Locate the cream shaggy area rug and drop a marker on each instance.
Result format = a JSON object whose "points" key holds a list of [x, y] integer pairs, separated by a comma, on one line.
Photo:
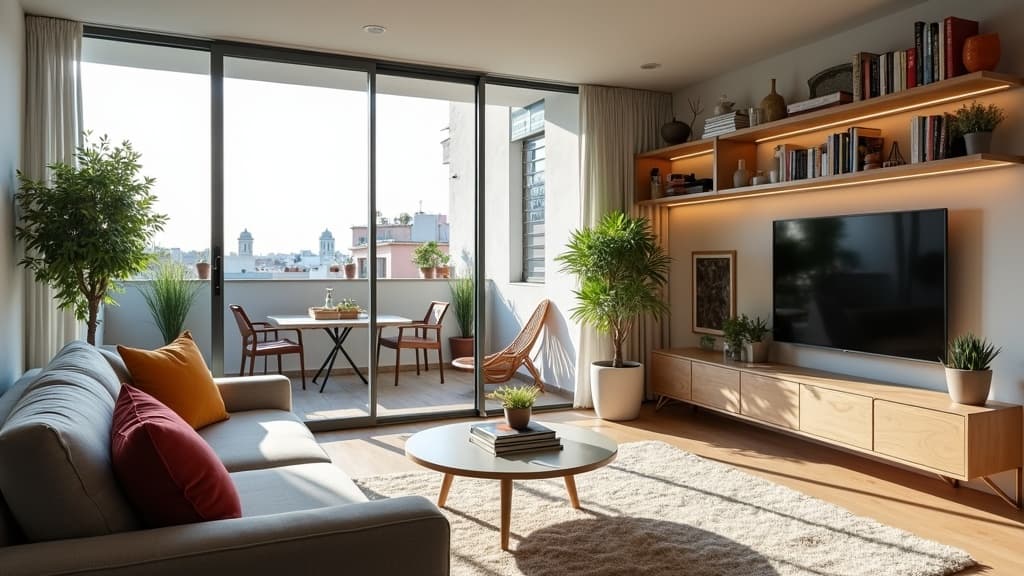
{"points": [[659, 510]]}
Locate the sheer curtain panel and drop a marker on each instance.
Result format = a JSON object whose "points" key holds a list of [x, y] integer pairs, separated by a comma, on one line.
{"points": [[615, 125], [53, 128]]}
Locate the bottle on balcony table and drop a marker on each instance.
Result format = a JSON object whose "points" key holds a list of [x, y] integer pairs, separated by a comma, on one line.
{"points": [[329, 298]]}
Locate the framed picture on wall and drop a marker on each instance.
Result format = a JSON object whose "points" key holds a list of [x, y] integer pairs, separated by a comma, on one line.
{"points": [[713, 290]]}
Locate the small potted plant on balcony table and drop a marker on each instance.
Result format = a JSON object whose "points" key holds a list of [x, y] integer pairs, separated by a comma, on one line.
{"points": [[427, 256], [621, 270], [976, 122], [518, 404], [968, 371]]}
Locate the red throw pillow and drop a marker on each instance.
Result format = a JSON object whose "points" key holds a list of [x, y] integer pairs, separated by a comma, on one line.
{"points": [[169, 473]]}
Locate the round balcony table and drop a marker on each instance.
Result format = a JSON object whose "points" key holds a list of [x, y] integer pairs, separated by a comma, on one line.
{"points": [[447, 449]]}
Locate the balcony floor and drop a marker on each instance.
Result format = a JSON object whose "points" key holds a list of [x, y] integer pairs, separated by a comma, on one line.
{"points": [[345, 395]]}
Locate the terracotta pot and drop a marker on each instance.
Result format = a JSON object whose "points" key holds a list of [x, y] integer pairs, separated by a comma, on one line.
{"points": [[350, 270], [982, 52], [518, 418], [461, 347], [203, 270], [335, 268], [441, 272], [427, 272], [968, 386]]}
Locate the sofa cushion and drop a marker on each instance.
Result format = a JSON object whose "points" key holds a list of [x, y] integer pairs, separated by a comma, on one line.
{"points": [[290, 488], [177, 376], [55, 471], [262, 439], [170, 475]]}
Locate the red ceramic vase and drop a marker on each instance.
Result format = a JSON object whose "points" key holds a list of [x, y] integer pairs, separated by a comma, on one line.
{"points": [[981, 52]]}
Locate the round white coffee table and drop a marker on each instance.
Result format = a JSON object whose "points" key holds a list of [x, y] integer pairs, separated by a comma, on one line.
{"points": [[448, 450]]}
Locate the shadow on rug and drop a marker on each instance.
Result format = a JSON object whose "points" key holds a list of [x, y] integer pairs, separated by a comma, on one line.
{"points": [[659, 510]]}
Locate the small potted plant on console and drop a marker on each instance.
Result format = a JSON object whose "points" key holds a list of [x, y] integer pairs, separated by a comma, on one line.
{"points": [[734, 332], [517, 402], [755, 331], [968, 372]]}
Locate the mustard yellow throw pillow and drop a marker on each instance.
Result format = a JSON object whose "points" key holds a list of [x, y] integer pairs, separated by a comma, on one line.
{"points": [[177, 376]]}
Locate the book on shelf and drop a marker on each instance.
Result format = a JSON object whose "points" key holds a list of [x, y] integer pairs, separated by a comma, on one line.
{"points": [[826, 101], [958, 30], [929, 138], [919, 50], [863, 141], [516, 448], [499, 432], [862, 75]]}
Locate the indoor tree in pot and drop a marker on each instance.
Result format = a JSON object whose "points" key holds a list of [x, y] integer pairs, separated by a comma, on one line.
{"points": [[976, 122], [169, 296], [463, 292], [89, 227], [968, 372], [620, 269]]}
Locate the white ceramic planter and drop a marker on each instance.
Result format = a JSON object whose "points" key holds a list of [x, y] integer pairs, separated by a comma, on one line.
{"points": [[618, 392], [756, 352], [968, 386]]}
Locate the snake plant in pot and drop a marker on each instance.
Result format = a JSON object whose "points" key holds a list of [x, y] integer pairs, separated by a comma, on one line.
{"points": [[620, 269], [968, 372]]}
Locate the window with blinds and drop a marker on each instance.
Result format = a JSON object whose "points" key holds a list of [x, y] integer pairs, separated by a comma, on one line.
{"points": [[533, 209]]}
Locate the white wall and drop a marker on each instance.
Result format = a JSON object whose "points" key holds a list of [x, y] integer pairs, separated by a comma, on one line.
{"points": [[12, 70], [986, 208]]}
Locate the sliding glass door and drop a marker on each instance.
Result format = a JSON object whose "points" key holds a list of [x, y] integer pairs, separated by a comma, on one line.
{"points": [[296, 202]]}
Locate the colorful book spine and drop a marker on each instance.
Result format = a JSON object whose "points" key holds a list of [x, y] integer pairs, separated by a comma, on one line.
{"points": [[958, 30], [919, 51], [912, 68]]}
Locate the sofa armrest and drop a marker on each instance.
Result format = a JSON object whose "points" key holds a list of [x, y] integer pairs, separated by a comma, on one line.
{"points": [[406, 535], [268, 391]]}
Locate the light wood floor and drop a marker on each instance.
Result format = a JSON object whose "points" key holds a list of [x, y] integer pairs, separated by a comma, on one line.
{"points": [[345, 395], [991, 531]]}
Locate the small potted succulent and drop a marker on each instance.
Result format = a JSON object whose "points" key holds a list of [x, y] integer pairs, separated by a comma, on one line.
{"points": [[755, 345], [976, 122], [518, 404], [968, 371]]}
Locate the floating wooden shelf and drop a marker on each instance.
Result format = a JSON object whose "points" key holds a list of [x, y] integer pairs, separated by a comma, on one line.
{"points": [[682, 151], [895, 173]]}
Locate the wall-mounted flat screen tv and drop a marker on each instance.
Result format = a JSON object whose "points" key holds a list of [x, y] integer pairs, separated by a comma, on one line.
{"points": [[873, 283]]}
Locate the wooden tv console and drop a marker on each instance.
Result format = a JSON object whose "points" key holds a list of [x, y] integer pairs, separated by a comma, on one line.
{"points": [[918, 428]]}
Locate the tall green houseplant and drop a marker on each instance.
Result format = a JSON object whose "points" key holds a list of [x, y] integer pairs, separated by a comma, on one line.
{"points": [[169, 296], [89, 227], [621, 270], [462, 290]]}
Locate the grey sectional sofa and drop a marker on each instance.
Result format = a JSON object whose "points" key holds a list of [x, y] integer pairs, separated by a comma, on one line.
{"points": [[300, 513]]}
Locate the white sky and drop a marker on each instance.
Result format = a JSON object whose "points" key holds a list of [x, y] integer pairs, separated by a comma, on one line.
{"points": [[295, 157]]}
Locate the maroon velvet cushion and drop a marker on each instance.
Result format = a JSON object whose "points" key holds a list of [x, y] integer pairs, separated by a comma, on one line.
{"points": [[169, 473]]}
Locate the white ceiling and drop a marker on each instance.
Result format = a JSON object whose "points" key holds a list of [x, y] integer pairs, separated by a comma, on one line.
{"points": [[574, 41]]}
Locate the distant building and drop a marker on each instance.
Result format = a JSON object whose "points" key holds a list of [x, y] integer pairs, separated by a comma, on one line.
{"points": [[395, 245], [326, 248], [244, 263]]}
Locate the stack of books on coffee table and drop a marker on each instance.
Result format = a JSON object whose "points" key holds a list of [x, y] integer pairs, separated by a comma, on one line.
{"points": [[500, 439]]}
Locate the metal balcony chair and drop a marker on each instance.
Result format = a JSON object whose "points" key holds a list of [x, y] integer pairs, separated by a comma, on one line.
{"points": [[417, 337], [262, 339], [502, 365]]}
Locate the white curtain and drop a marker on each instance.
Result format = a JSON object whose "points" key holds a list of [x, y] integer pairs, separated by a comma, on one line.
{"points": [[53, 128], [615, 125]]}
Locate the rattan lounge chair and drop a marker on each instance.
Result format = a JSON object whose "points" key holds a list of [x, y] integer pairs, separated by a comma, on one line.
{"points": [[501, 366]]}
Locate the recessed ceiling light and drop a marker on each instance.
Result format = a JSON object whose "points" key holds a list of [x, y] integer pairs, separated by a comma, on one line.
{"points": [[650, 66], [374, 29]]}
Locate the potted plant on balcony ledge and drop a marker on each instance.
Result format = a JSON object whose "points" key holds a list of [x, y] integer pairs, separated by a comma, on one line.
{"points": [[621, 270], [169, 296], [427, 256]]}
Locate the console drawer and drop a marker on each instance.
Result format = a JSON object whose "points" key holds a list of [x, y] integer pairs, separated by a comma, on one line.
{"points": [[922, 436], [716, 387], [835, 415], [670, 376], [770, 400]]}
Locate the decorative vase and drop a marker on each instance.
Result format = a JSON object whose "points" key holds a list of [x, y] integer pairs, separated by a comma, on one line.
{"points": [[428, 272], [732, 353], [518, 418], [773, 106], [203, 270], [675, 132], [968, 386], [978, 142], [350, 270], [981, 52], [741, 177]]}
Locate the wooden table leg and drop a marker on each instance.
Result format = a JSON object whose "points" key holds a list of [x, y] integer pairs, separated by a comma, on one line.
{"points": [[446, 483], [570, 486], [506, 511]]}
